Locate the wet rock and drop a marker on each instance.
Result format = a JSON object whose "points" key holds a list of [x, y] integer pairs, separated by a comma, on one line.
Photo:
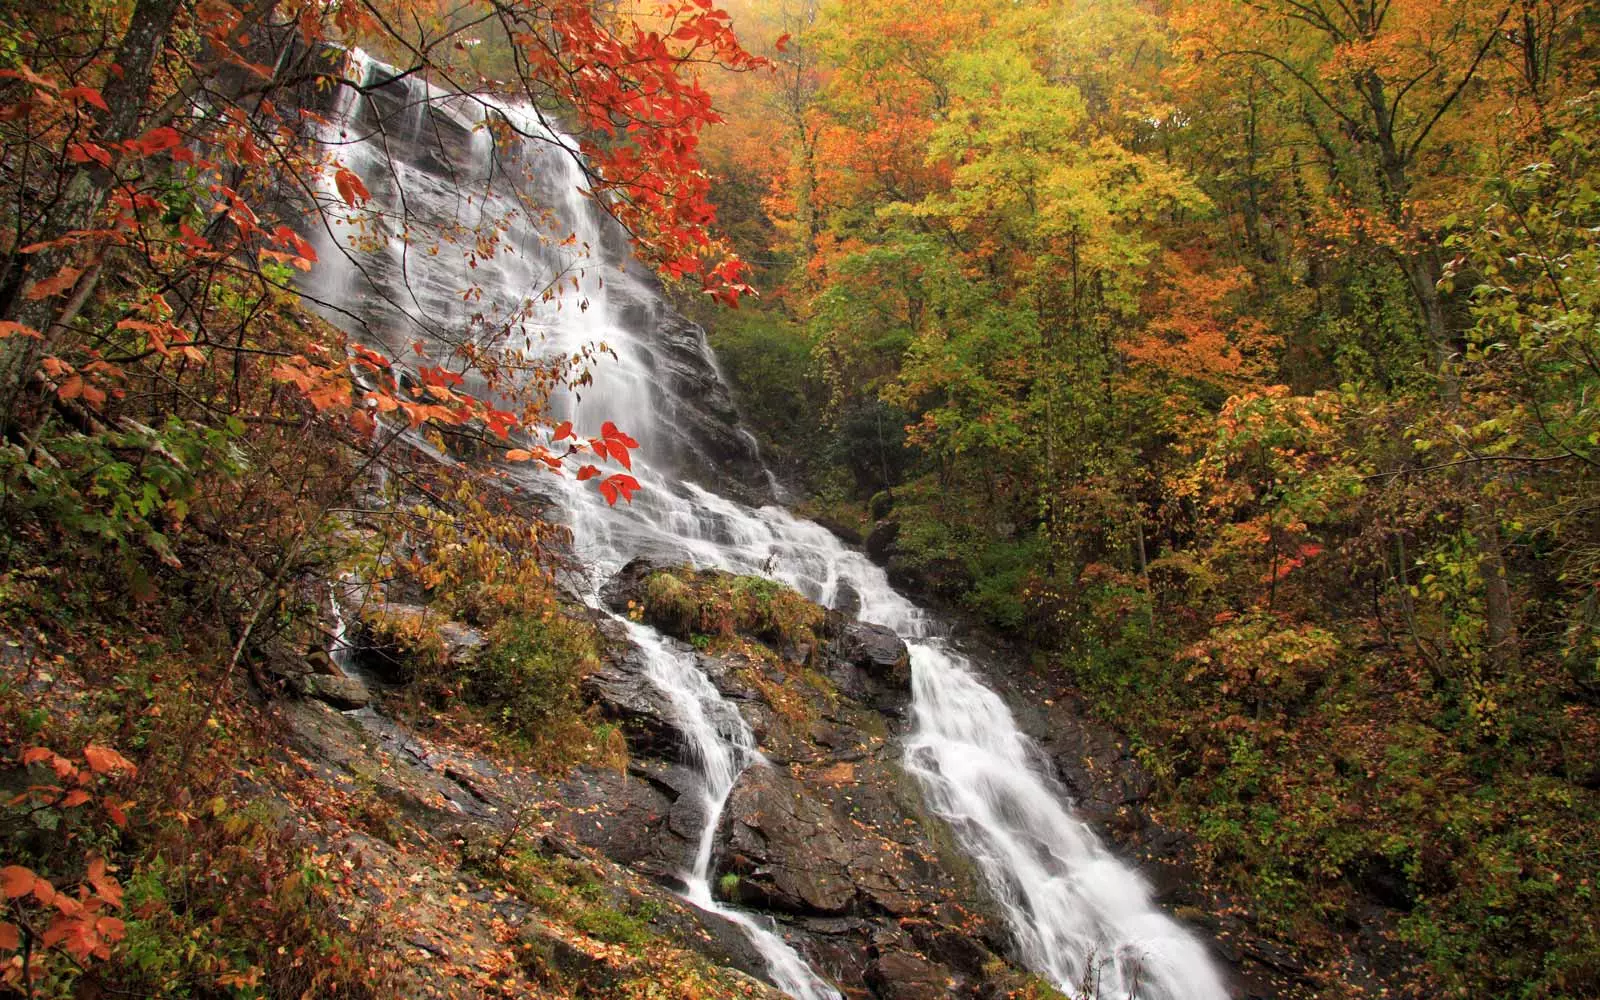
{"points": [[622, 690], [880, 540], [832, 842], [707, 444], [788, 850], [624, 818], [845, 531], [878, 651], [1106, 781], [848, 601], [627, 585], [906, 975], [869, 664], [343, 693]]}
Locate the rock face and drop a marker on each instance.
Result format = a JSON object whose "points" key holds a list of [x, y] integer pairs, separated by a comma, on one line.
{"points": [[437, 138], [827, 836], [707, 444]]}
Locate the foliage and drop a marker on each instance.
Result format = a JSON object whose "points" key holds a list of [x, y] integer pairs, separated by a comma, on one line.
{"points": [[1246, 355]]}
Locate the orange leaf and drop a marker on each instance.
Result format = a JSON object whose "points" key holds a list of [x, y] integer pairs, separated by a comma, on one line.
{"points": [[15, 881], [9, 328], [103, 760], [10, 940], [46, 287]]}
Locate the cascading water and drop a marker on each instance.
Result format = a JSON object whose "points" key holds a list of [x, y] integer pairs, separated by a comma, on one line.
{"points": [[722, 746], [1080, 917]]}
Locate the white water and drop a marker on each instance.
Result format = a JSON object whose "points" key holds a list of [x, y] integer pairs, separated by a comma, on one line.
{"points": [[1079, 916], [722, 746]]}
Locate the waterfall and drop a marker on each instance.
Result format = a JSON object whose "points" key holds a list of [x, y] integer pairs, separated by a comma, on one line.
{"points": [[1079, 916]]}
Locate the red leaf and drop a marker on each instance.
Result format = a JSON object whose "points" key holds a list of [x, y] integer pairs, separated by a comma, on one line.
{"points": [[350, 187], [587, 472], [83, 152], [155, 141], [563, 430], [87, 95], [609, 431], [618, 485]]}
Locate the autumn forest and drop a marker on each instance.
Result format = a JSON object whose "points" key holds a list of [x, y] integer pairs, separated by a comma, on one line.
{"points": [[1227, 370]]}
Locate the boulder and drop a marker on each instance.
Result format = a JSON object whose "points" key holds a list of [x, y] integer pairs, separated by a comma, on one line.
{"points": [[628, 583], [878, 651], [787, 849], [832, 841], [907, 975], [343, 693], [869, 664]]}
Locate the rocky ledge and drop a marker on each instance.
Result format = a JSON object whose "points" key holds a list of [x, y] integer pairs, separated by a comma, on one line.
{"points": [[826, 837]]}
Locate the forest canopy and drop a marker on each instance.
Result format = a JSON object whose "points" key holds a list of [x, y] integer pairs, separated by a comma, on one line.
{"points": [[1241, 360]]}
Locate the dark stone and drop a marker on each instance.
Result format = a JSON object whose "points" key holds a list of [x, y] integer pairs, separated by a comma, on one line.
{"points": [[847, 602], [625, 695], [878, 651], [905, 975], [869, 664], [846, 532], [1106, 781], [787, 848], [624, 818], [880, 540]]}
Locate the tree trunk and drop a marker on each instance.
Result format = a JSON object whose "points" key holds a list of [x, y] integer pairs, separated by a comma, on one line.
{"points": [[1423, 271], [125, 93]]}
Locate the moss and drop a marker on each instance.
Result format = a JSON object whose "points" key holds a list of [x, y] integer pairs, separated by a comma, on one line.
{"points": [[687, 603]]}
